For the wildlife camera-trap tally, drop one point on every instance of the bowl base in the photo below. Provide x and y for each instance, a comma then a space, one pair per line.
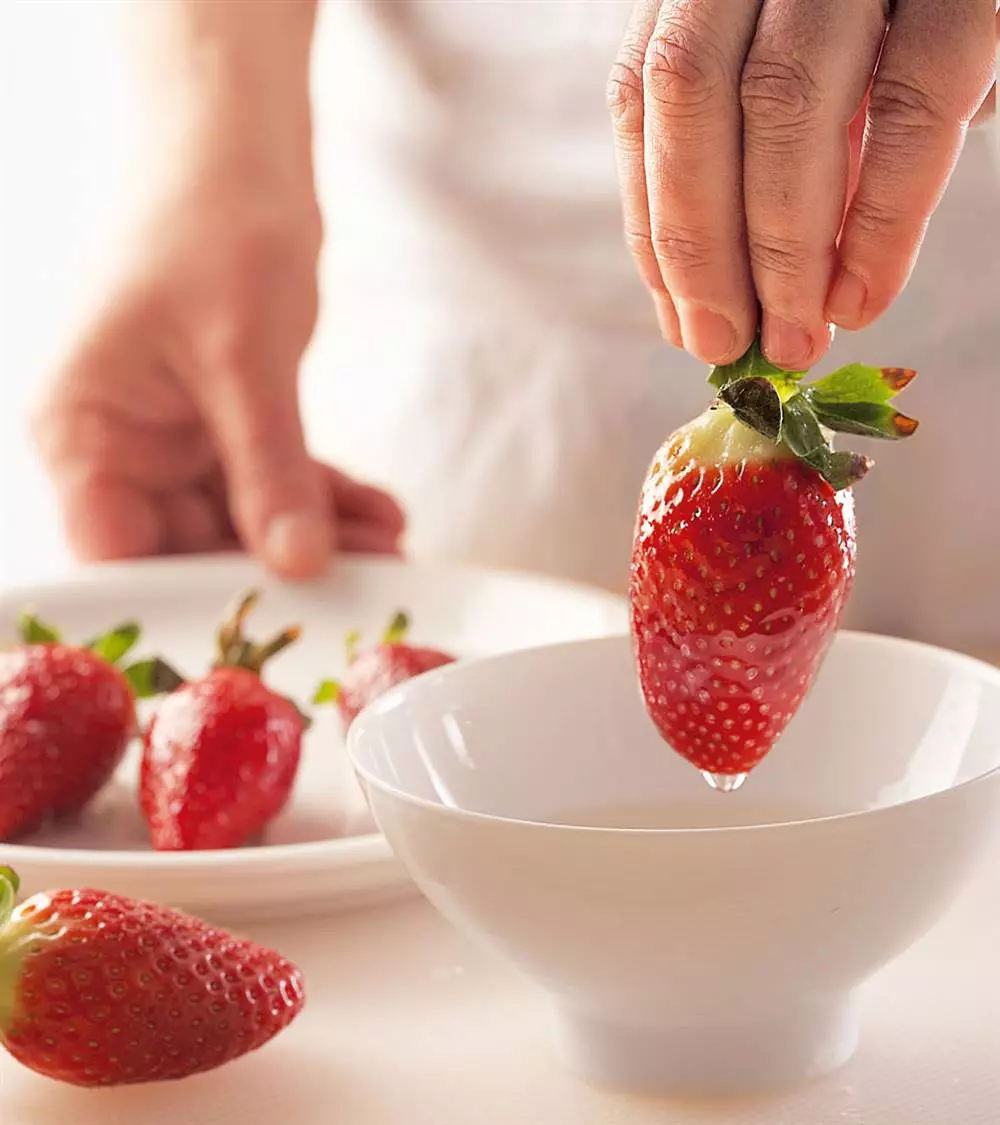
753, 1054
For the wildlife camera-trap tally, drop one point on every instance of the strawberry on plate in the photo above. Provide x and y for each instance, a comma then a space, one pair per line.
744, 555
373, 671
100, 990
222, 751
67, 715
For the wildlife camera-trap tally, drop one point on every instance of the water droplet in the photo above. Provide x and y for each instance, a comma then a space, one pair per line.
724, 782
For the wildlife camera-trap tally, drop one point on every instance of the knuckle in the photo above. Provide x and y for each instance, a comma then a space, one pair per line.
624, 91
684, 70
900, 106
681, 249
873, 220
778, 95
787, 258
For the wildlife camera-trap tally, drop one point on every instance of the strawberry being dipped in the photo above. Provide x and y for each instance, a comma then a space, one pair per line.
222, 752
373, 671
67, 715
744, 555
99, 990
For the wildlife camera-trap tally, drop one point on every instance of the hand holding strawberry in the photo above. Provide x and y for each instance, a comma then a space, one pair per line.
100, 990
744, 555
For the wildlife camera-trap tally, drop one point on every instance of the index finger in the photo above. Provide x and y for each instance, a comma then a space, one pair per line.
693, 162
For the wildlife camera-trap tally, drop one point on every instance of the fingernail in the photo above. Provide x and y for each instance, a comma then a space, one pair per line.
787, 344
298, 544
846, 303
707, 334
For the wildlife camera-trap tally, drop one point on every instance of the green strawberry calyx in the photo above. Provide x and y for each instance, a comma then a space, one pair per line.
153, 677
395, 632
798, 416
112, 646
233, 649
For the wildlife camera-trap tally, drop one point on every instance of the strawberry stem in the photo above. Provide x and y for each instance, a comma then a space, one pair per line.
234, 650
260, 654
397, 629
230, 644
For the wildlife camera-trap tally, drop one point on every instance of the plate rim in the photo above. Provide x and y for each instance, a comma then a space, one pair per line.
99, 574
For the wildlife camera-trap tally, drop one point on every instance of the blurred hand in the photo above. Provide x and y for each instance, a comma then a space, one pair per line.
739, 127
173, 426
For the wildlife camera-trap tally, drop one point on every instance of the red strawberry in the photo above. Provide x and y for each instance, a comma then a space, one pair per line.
99, 990
66, 717
222, 752
373, 671
744, 555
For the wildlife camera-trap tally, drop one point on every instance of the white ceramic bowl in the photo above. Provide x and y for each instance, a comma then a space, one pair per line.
724, 953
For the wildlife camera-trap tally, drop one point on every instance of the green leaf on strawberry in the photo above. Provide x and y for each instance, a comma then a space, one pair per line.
152, 677
117, 643
752, 364
867, 419
34, 631
857, 382
802, 433
854, 399
327, 692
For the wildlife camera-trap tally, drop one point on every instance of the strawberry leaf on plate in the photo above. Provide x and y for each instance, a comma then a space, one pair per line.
35, 632
116, 643
152, 677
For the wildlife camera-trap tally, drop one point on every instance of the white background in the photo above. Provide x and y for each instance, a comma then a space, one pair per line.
64, 137
66, 129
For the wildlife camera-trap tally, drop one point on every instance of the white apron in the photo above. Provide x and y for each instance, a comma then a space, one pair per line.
487, 353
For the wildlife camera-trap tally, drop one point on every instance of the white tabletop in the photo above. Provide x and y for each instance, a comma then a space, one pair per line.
407, 1024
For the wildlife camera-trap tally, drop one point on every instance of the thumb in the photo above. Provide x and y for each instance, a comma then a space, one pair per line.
276, 494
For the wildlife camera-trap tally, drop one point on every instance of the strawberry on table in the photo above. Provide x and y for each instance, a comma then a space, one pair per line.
100, 990
744, 555
67, 715
222, 752
373, 671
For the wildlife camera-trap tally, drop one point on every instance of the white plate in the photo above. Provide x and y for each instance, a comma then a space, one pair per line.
322, 853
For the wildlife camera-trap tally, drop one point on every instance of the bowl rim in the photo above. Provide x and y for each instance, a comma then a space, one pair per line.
985, 672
